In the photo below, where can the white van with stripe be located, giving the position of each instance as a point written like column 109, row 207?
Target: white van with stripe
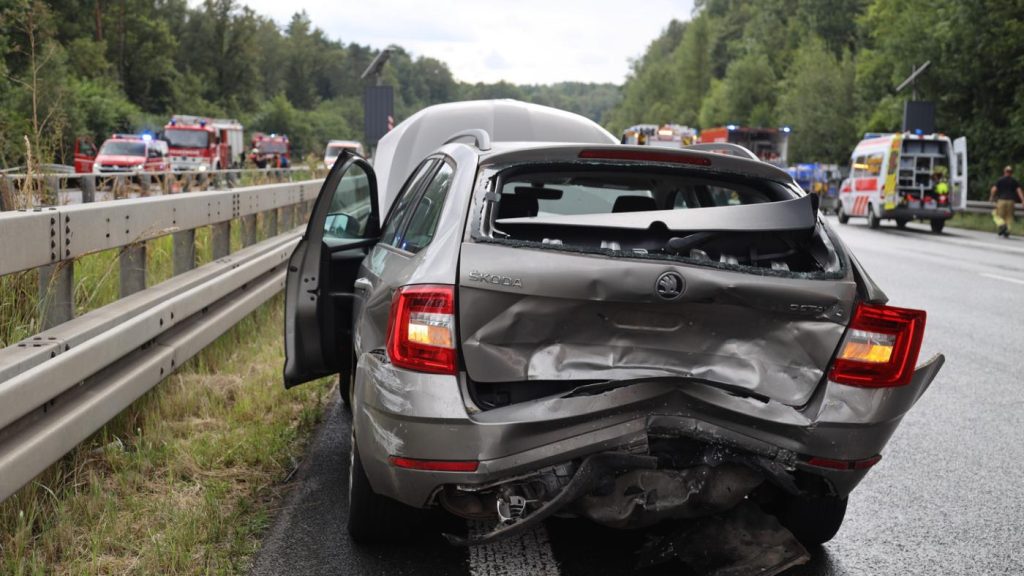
column 905, row 177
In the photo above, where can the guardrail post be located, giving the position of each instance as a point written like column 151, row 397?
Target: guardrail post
column 248, row 230
column 221, row 234
column 184, row 251
column 133, row 268
column 88, row 185
column 56, row 296
column 270, row 223
column 287, row 217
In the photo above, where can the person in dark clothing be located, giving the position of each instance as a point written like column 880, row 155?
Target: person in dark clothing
column 1005, row 194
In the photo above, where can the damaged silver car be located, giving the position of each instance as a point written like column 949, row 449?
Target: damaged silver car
column 549, row 322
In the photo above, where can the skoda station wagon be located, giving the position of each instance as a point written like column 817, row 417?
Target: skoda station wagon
column 529, row 318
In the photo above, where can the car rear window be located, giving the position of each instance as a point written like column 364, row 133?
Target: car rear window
column 605, row 192
column 719, row 219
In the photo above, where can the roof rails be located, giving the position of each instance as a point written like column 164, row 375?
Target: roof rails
column 481, row 138
column 727, row 148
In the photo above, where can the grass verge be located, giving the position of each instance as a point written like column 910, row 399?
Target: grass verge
column 972, row 221
column 184, row 480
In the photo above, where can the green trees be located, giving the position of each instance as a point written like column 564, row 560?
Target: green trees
column 102, row 66
column 816, row 101
column 828, row 69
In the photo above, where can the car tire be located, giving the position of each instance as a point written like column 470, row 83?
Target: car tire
column 372, row 518
column 901, row 223
column 841, row 214
column 937, row 225
column 812, row 520
column 873, row 220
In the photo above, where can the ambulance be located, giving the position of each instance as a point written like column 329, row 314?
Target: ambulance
column 905, row 177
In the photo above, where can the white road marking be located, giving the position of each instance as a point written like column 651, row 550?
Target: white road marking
column 526, row 555
column 1004, row 278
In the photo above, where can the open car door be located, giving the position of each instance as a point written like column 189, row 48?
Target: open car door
column 319, row 293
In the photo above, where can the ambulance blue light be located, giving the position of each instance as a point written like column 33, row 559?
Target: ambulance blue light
column 786, row 129
column 731, row 127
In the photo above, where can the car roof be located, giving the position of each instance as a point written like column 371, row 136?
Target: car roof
column 403, row 148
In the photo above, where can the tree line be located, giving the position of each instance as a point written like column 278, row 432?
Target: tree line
column 76, row 67
column 829, row 68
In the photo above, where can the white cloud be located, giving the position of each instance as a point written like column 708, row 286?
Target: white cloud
column 525, row 42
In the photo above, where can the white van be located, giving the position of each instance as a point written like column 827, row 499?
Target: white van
column 335, row 147
column 905, row 177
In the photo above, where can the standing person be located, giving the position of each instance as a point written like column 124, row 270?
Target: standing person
column 1005, row 193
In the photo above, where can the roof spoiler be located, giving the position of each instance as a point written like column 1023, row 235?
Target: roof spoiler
column 727, row 148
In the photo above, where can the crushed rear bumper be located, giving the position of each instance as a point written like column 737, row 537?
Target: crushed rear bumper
column 425, row 416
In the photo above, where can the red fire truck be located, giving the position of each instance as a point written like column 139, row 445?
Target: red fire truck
column 200, row 143
column 271, row 150
column 769, row 144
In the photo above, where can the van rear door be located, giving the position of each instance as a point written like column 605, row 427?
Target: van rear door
column 959, row 174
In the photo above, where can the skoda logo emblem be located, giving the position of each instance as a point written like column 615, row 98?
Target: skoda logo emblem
column 670, row 286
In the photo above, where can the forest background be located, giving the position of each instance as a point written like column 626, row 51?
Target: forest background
column 825, row 68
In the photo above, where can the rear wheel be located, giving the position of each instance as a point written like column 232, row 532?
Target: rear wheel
column 873, row 220
column 937, row 225
column 841, row 214
column 372, row 518
column 813, row 520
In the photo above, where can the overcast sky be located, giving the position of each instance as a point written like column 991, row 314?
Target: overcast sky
column 521, row 41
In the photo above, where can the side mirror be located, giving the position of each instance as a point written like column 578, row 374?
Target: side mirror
column 341, row 225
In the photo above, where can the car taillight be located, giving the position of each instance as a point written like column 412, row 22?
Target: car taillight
column 421, row 331
column 880, row 347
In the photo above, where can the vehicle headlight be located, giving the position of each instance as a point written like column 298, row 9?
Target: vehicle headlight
column 202, row 167
column 95, row 167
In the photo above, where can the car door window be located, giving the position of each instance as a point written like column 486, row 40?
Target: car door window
column 350, row 208
column 423, row 222
column 405, row 202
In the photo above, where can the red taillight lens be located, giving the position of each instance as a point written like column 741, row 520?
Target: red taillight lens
column 844, row 464
column 434, row 465
column 636, row 155
column 880, row 347
column 421, row 333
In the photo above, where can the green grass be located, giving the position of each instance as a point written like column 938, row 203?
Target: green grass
column 183, row 481
column 981, row 222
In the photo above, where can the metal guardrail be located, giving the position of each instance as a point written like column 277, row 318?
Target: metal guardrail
column 61, row 385
column 982, row 207
column 55, row 187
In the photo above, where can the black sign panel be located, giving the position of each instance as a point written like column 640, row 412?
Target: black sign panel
column 919, row 116
column 378, row 107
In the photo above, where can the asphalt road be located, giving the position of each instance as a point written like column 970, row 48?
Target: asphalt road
column 948, row 497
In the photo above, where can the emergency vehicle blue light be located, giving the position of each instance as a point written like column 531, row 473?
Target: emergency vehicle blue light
column 918, row 131
column 731, row 126
column 785, row 129
column 147, row 136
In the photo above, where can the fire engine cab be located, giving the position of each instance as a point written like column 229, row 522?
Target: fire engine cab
column 905, row 177
column 270, row 150
column 769, row 144
column 198, row 143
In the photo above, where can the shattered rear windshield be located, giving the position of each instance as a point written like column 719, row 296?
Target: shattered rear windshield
column 639, row 212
